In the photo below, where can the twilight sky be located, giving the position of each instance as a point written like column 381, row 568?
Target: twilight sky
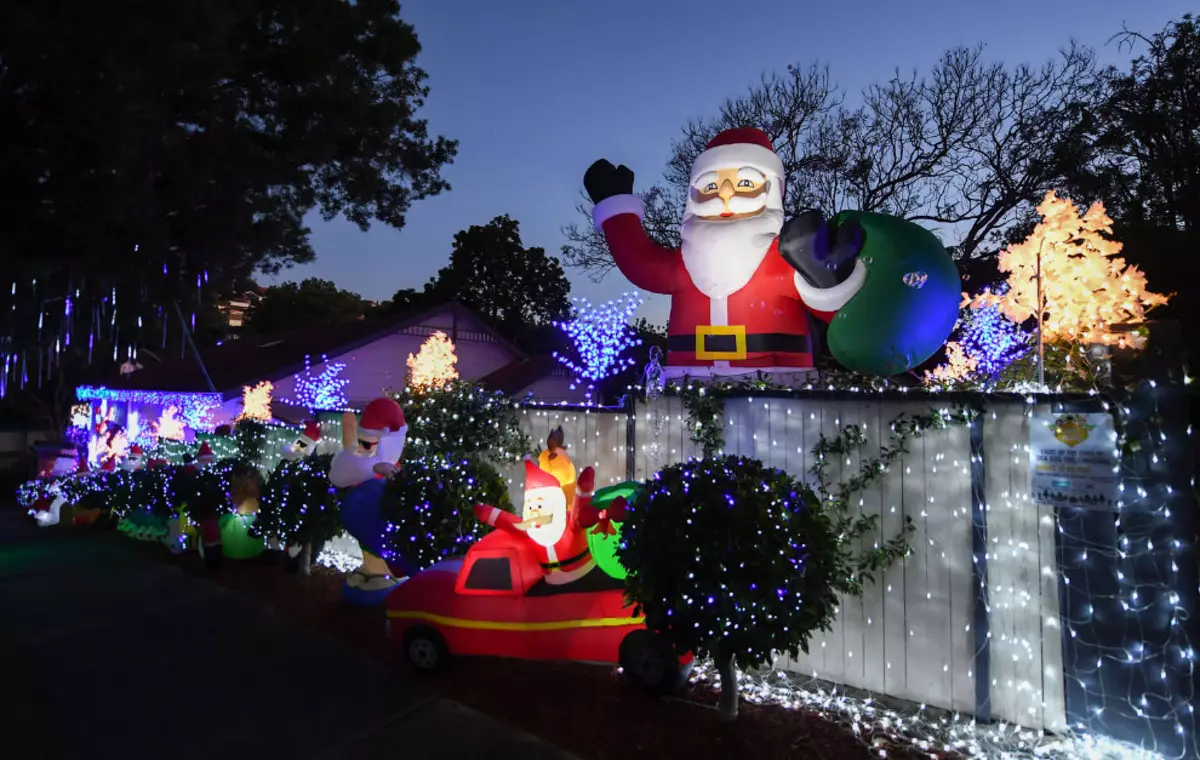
column 535, row 90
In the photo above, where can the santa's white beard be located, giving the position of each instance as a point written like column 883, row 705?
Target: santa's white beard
column 722, row 255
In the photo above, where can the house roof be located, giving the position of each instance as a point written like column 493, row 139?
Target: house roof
column 520, row 374
column 252, row 359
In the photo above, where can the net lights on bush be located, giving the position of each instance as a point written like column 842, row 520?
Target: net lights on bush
column 323, row 391
column 601, row 335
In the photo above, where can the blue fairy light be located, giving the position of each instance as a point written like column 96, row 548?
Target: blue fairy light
column 601, row 335
column 322, row 391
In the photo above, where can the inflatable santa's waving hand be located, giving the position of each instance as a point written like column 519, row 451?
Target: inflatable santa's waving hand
column 559, row 534
column 744, row 283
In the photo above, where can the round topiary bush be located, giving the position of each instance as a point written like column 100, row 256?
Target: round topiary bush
column 428, row 507
column 299, row 505
column 730, row 559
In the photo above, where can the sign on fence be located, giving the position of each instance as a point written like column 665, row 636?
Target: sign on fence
column 1074, row 460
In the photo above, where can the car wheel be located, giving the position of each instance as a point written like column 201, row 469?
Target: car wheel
column 650, row 663
column 425, row 650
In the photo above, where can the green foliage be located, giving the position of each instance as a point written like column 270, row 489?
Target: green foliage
column 705, row 405
column 251, row 441
column 855, row 564
column 492, row 272
column 462, row 420
column 428, row 507
column 289, row 305
column 152, row 490
column 159, row 155
column 298, row 504
column 729, row 558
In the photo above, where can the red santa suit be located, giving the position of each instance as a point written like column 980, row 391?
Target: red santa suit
column 568, row 558
column 763, row 324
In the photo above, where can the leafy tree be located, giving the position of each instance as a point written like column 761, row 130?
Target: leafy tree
column 730, row 559
column 966, row 148
column 290, row 305
column 1138, row 152
column 462, row 420
column 158, row 155
column 491, row 271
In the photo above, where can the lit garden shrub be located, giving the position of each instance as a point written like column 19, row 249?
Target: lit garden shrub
column 730, row 559
column 428, row 508
column 299, row 506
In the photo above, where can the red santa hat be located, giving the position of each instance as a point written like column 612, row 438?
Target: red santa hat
column 205, row 454
column 312, row 431
column 536, row 477
column 381, row 417
column 735, row 148
column 135, row 450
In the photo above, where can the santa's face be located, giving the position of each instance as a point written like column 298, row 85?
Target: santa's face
column 545, row 515
column 731, row 218
column 132, row 463
column 300, row 448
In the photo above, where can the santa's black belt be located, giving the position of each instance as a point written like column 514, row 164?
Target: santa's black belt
column 557, row 565
column 727, row 343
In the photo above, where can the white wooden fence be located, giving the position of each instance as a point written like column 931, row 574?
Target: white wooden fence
column 912, row 634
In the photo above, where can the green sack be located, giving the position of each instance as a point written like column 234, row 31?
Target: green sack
column 604, row 546
column 908, row 305
column 236, row 541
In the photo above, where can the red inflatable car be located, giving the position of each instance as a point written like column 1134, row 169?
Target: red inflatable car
column 494, row 602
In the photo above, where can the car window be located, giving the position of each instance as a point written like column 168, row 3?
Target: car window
column 490, row 574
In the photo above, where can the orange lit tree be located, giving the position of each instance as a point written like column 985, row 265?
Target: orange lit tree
column 432, row 368
column 1086, row 290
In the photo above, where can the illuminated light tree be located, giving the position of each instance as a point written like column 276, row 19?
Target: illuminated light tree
column 432, row 368
column 169, row 425
column 256, row 402
column 1072, row 267
column 601, row 336
column 324, row 390
column 988, row 342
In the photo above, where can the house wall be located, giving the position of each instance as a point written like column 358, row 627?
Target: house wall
column 554, row 388
column 382, row 364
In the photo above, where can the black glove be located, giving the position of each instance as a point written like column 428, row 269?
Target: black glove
column 822, row 252
column 603, row 180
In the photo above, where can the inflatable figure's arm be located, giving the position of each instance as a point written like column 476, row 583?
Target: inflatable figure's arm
column 498, row 518
column 825, row 257
column 583, row 514
column 618, row 216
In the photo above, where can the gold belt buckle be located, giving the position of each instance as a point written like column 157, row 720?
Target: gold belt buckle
column 739, row 337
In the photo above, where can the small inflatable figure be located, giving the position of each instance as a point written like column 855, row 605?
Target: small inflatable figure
column 371, row 451
column 559, row 533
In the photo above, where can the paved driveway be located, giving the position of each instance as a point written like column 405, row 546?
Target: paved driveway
column 106, row 655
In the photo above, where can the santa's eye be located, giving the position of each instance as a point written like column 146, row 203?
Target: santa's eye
column 711, row 187
column 748, row 183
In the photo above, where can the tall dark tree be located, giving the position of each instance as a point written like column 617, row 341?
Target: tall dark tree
column 155, row 154
column 1137, row 149
column 291, row 305
column 964, row 149
column 491, row 271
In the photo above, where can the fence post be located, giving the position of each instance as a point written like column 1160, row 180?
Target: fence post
column 630, row 437
column 979, row 571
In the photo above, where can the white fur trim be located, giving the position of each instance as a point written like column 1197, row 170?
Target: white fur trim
column 615, row 206
column 832, row 299
column 491, row 518
column 584, row 494
column 735, row 157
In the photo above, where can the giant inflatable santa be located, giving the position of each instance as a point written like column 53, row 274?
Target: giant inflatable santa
column 745, row 285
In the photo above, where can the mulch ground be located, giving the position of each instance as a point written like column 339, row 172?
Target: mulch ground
column 588, row 710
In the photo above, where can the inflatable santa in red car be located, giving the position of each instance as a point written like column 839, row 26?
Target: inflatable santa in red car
column 744, row 283
column 558, row 532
